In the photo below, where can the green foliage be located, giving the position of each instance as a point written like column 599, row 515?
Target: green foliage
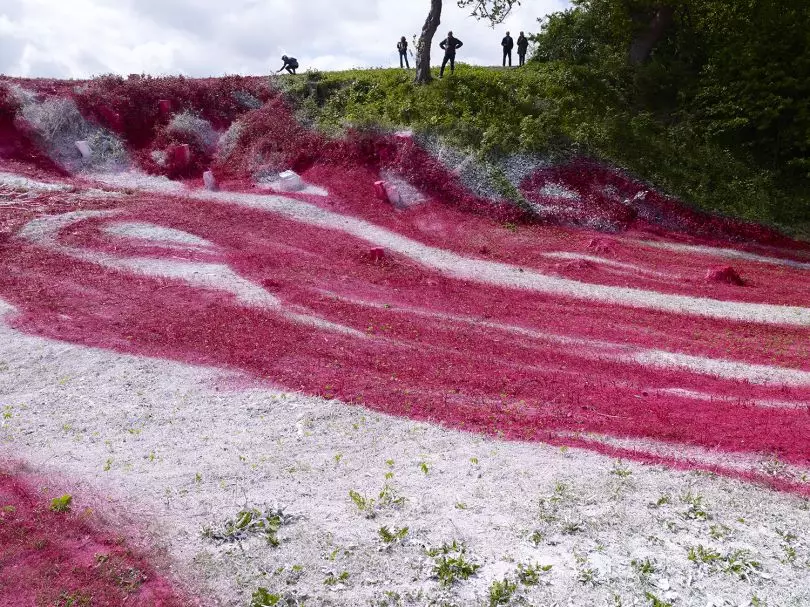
column 501, row 591
column 559, row 108
column 389, row 537
column 247, row 523
column 263, row 598
column 450, row 563
column 61, row 504
column 530, row 575
column 726, row 81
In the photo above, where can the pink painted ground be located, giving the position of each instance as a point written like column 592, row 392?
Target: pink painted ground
column 577, row 337
column 52, row 558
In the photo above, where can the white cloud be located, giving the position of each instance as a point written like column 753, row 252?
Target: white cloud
column 81, row 38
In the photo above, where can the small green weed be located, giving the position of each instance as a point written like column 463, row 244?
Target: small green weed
column 389, row 537
column 656, row 602
column 696, row 510
column 737, row 562
column 620, row 469
column 644, row 568
column 531, row 575
column 450, row 563
column 263, row 598
column 61, row 504
column 334, row 580
column 500, row 592
column 248, row 523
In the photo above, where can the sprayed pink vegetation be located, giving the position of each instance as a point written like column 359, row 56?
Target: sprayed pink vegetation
column 361, row 317
column 66, row 558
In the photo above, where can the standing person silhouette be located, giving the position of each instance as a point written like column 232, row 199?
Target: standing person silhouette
column 290, row 64
column 523, row 45
column 402, row 47
column 507, row 43
column 449, row 45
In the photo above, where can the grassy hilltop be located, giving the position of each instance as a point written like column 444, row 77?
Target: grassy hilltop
column 555, row 109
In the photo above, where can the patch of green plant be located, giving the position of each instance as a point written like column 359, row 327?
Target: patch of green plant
column 656, row 602
column 736, row 562
column 264, row 598
column 74, row 599
column 334, row 580
column 390, row 536
column 620, row 469
column 531, row 575
column 451, row 564
column 61, row 504
column 644, row 568
column 501, row 591
column 696, row 509
column 559, row 109
column 249, row 523
column 386, row 498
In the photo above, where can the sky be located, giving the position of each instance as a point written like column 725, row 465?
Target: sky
column 83, row 38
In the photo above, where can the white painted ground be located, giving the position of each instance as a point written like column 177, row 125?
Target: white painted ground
column 180, row 447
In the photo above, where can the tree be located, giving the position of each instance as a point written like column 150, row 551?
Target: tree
column 494, row 11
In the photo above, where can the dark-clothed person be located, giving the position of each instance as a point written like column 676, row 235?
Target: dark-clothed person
column 523, row 45
column 449, row 45
column 508, row 44
column 290, row 64
column 402, row 47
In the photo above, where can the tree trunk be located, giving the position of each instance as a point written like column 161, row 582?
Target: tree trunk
column 645, row 43
column 432, row 22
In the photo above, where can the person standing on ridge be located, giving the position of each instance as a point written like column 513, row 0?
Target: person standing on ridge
column 449, row 45
column 290, row 64
column 523, row 45
column 402, row 47
column 507, row 43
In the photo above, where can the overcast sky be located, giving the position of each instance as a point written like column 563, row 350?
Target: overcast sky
column 81, row 38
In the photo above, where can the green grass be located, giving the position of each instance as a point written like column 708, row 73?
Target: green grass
column 556, row 110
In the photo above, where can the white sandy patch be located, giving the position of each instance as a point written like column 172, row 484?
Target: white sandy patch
column 477, row 270
column 312, row 190
column 612, row 263
column 137, row 180
column 506, row 275
column 154, row 233
column 17, row 182
column 767, row 375
column 769, row 404
column 557, row 190
column 721, row 252
column 161, row 442
column 699, row 456
column 44, row 231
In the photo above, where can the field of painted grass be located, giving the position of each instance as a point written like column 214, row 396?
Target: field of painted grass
column 384, row 384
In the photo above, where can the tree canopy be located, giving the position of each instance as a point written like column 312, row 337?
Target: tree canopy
column 738, row 72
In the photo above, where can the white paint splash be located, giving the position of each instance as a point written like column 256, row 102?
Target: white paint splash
column 722, row 252
column 505, row 275
column 44, row 231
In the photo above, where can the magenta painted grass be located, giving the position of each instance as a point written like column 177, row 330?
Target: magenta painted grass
column 459, row 310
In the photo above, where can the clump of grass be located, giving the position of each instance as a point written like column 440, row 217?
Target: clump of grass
column 451, row 564
column 249, row 523
column 736, row 562
column 334, row 580
column 501, row 591
column 531, row 575
column 61, row 505
column 386, row 498
column 391, row 536
column 644, row 568
column 696, row 509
